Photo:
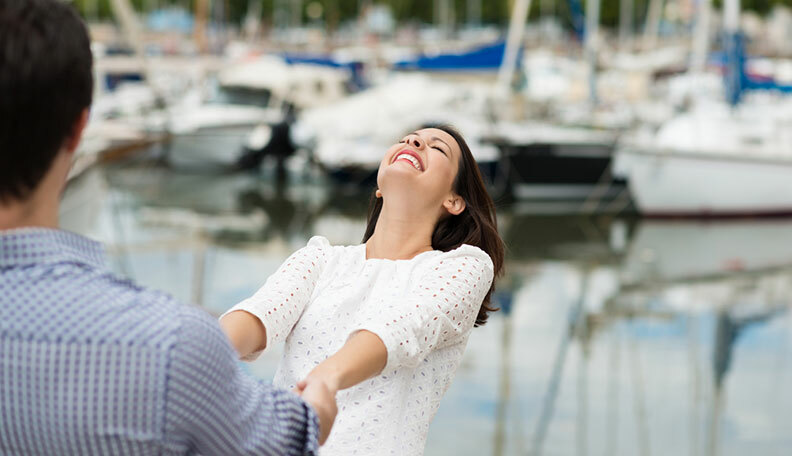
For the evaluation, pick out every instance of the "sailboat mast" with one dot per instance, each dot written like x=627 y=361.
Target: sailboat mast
x=731 y=16
x=474 y=13
x=701 y=36
x=199 y=32
x=513 y=44
x=626 y=22
x=591 y=44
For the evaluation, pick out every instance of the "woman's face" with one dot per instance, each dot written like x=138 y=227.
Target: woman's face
x=424 y=164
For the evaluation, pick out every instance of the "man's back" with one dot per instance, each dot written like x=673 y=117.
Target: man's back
x=92 y=364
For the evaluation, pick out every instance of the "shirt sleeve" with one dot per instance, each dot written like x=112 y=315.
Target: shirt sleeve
x=439 y=307
x=282 y=299
x=214 y=408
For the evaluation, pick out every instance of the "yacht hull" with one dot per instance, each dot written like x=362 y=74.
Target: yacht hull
x=688 y=184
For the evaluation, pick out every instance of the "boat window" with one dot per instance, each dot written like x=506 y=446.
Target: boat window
x=242 y=96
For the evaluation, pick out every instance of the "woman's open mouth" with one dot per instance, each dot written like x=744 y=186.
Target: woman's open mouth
x=411 y=157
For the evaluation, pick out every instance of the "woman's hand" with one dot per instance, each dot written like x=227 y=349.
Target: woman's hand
x=316 y=392
x=316 y=376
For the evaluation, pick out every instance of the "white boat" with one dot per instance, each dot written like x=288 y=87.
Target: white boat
x=302 y=85
x=114 y=124
x=213 y=134
x=349 y=138
x=714 y=161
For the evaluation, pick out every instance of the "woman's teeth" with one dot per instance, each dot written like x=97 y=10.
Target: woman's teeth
x=411 y=159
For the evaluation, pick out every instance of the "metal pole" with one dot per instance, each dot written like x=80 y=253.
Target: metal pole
x=513 y=44
x=625 y=22
x=591 y=44
x=653 y=23
x=547 y=8
x=296 y=13
x=474 y=13
x=731 y=16
x=701 y=37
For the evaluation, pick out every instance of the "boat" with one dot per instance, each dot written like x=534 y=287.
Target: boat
x=209 y=134
x=714 y=161
x=348 y=139
x=555 y=162
x=297 y=79
x=486 y=58
x=730 y=157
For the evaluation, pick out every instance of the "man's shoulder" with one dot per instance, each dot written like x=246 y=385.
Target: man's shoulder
x=138 y=315
x=161 y=313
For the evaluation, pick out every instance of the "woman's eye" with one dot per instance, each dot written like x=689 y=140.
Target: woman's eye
x=440 y=150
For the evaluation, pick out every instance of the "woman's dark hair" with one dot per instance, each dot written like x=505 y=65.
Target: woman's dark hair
x=477 y=225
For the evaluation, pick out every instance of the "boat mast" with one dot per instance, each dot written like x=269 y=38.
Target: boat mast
x=129 y=25
x=701 y=37
x=591 y=44
x=443 y=16
x=653 y=24
x=296 y=13
x=626 y=23
x=734 y=51
x=474 y=13
x=513 y=43
x=199 y=32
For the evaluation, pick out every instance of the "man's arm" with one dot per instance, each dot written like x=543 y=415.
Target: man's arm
x=220 y=410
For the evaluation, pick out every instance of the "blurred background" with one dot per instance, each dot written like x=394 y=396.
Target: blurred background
x=639 y=152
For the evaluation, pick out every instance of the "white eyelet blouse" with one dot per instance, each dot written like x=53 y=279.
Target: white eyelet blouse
x=423 y=309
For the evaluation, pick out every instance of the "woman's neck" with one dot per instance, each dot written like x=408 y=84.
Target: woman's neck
x=400 y=237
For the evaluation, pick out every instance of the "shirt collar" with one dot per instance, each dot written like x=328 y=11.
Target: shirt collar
x=30 y=246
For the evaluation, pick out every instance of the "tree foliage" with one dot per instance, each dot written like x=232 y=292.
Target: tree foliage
x=495 y=12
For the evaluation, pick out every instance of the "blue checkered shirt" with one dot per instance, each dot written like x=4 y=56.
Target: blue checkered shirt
x=90 y=363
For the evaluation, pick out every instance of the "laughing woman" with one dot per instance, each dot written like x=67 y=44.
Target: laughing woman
x=384 y=324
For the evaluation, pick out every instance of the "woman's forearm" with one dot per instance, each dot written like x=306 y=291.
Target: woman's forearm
x=245 y=331
x=363 y=356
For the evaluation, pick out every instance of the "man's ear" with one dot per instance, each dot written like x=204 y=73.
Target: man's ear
x=454 y=204
x=73 y=140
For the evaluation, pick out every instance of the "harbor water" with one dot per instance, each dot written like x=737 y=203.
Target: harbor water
x=616 y=335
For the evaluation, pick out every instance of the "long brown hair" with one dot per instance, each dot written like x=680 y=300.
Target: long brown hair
x=477 y=225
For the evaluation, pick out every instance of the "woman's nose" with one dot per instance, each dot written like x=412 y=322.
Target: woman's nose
x=415 y=140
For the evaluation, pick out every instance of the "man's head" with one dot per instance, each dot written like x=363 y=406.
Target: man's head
x=46 y=83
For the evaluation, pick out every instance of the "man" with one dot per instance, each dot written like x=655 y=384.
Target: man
x=91 y=363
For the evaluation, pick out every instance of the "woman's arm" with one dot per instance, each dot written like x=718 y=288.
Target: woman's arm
x=268 y=316
x=363 y=356
x=245 y=331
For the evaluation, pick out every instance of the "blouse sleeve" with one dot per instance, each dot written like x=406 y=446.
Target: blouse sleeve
x=439 y=308
x=280 y=302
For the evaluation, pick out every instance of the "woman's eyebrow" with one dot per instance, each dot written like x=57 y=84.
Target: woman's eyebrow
x=435 y=138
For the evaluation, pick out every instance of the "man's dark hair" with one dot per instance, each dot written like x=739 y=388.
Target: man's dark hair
x=46 y=81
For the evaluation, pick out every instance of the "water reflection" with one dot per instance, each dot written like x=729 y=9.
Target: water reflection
x=617 y=336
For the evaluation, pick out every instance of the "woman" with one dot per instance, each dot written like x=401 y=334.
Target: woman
x=385 y=323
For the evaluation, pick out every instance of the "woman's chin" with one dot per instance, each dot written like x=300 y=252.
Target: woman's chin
x=400 y=171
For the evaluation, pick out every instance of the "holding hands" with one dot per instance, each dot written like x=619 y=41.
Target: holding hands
x=322 y=399
x=362 y=357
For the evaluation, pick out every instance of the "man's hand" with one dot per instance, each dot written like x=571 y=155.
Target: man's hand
x=315 y=392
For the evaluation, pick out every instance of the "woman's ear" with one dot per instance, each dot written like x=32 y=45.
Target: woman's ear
x=455 y=204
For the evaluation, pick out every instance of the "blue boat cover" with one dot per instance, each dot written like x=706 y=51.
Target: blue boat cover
x=483 y=58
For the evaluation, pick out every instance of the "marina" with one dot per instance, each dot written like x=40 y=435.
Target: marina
x=642 y=175
x=617 y=334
